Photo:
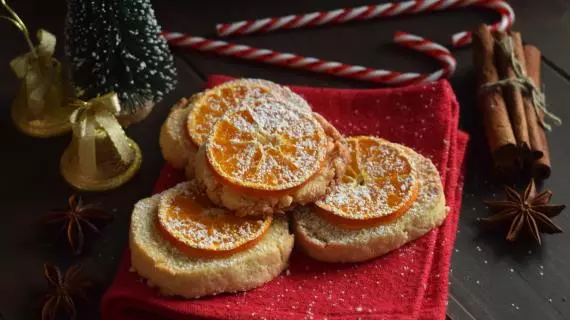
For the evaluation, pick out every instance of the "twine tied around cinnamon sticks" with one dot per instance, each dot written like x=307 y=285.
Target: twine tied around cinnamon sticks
x=522 y=82
x=511 y=105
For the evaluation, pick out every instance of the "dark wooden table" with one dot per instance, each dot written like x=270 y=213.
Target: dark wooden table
x=490 y=279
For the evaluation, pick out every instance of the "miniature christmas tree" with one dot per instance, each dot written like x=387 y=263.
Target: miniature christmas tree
x=115 y=45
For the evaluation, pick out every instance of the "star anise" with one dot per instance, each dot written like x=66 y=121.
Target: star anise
x=527 y=208
x=75 y=217
x=64 y=288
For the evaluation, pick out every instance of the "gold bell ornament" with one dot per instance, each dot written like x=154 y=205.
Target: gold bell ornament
x=100 y=156
x=38 y=109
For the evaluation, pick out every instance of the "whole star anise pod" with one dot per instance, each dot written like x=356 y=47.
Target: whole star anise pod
x=75 y=217
x=528 y=208
x=64 y=288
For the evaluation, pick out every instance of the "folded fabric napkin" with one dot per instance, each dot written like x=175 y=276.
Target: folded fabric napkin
x=408 y=283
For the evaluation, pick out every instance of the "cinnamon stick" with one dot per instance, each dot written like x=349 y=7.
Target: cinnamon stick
x=496 y=123
x=512 y=95
x=540 y=166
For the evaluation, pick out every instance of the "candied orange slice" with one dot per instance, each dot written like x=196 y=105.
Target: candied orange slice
x=213 y=103
x=200 y=229
x=269 y=148
x=379 y=185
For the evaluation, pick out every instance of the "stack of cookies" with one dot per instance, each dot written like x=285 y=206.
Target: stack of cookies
x=257 y=159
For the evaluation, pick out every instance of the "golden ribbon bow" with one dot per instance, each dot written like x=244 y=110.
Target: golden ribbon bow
x=38 y=69
x=98 y=114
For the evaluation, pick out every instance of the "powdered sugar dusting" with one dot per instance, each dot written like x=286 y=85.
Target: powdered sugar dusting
x=213 y=103
x=270 y=146
x=430 y=190
x=188 y=217
x=381 y=181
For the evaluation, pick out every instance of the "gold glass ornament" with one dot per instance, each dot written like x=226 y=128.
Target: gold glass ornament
x=100 y=156
x=38 y=107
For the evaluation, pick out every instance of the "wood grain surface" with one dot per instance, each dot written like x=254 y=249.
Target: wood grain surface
x=490 y=278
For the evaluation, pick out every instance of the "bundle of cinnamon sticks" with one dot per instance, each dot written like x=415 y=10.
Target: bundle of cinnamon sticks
x=512 y=124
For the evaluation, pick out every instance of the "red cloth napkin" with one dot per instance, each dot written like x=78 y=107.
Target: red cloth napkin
x=408 y=283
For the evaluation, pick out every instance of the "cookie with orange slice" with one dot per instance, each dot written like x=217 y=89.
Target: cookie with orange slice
x=389 y=196
x=175 y=142
x=190 y=120
x=186 y=246
x=269 y=158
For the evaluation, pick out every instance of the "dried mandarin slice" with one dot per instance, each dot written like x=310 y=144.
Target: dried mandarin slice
x=269 y=148
x=198 y=228
x=213 y=103
x=379 y=185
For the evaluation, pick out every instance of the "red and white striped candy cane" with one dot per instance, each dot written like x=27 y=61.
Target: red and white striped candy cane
x=370 y=12
x=339 y=69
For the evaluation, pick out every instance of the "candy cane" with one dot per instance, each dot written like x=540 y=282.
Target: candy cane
x=370 y=12
x=339 y=69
